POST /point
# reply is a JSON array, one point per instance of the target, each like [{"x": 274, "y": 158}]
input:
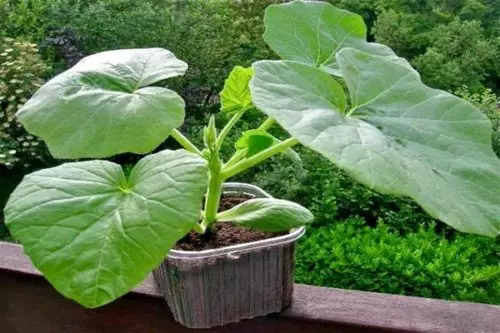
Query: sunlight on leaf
[
  {"x": 104, "y": 105},
  {"x": 401, "y": 137},
  {"x": 236, "y": 94},
  {"x": 95, "y": 234},
  {"x": 267, "y": 214}
]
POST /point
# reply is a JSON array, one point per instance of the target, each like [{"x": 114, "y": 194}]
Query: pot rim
[{"x": 235, "y": 250}]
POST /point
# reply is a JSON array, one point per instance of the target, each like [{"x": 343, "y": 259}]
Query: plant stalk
[
  {"x": 267, "y": 124},
  {"x": 185, "y": 143},
  {"x": 212, "y": 199},
  {"x": 257, "y": 158},
  {"x": 230, "y": 124},
  {"x": 237, "y": 156},
  {"x": 199, "y": 228}
]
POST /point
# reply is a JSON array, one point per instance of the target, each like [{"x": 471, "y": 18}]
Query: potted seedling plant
[{"x": 95, "y": 232}]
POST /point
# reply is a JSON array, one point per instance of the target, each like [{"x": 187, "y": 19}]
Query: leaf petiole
[
  {"x": 267, "y": 124},
  {"x": 200, "y": 228},
  {"x": 229, "y": 126},
  {"x": 257, "y": 158},
  {"x": 185, "y": 143}
]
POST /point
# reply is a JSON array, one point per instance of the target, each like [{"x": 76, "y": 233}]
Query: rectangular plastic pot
[{"x": 216, "y": 287}]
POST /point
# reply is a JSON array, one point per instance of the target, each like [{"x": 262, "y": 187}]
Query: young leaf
[
  {"x": 256, "y": 140},
  {"x": 272, "y": 215},
  {"x": 312, "y": 32},
  {"x": 95, "y": 234},
  {"x": 236, "y": 94},
  {"x": 102, "y": 105},
  {"x": 210, "y": 135},
  {"x": 400, "y": 136}
]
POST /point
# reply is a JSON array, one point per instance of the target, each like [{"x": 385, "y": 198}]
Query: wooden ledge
[{"x": 30, "y": 299}]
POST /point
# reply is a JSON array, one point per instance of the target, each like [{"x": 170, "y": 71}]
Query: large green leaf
[
  {"x": 236, "y": 95},
  {"x": 399, "y": 137},
  {"x": 95, "y": 234},
  {"x": 103, "y": 106},
  {"x": 272, "y": 215},
  {"x": 312, "y": 32}
]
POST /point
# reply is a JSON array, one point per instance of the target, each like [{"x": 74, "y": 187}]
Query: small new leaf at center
[{"x": 236, "y": 94}]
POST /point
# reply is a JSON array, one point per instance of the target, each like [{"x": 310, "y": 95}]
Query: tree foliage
[{"x": 451, "y": 43}]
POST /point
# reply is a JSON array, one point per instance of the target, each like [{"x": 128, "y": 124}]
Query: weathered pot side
[{"x": 215, "y": 287}]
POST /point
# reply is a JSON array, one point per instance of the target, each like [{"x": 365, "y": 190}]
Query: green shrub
[
  {"x": 33, "y": 20},
  {"x": 451, "y": 43},
  {"x": 211, "y": 36},
  {"x": 351, "y": 255},
  {"x": 23, "y": 18},
  {"x": 459, "y": 53},
  {"x": 21, "y": 74},
  {"x": 227, "y": 33}
]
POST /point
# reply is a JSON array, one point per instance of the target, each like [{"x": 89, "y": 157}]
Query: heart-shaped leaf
[
  {"x": 312, "y": 32},
  {"x": 236, "y": 94},
  {"x": 267, "y": 214},
  {"x": 95, "y": 234},
  {"x": 399, "y": 136},
  {"x": 103, "y": 106},
  {"x": 256, "y": 140}
]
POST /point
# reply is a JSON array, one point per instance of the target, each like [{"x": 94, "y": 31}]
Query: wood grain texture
[
  {"x": 399, "y": 313},
  {"x": 29, "y": 304}
]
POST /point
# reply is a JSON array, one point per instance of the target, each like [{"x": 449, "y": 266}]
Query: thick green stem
[
  {"x": 185, "y": 143},
  {"x": 199, "y": 228},
  {"x": 212, "y": 199},
  {"x": 257, "y": 158}
]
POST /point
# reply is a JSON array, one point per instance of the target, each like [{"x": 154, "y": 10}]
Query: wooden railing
[{"x": 29, "y": 304}]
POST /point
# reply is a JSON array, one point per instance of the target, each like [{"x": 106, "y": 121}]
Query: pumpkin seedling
[{"x": 96, "y": 233}]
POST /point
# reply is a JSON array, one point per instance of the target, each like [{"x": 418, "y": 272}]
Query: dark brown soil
[{"x": 224, "y": 233}]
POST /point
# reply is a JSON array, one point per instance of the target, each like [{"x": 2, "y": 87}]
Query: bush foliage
[
  {"x": 351, "y": 255},
  {"x": 227, "y": 33},
  {"x": 451, "y": 42},
  {"x": 21, "y": 74}
]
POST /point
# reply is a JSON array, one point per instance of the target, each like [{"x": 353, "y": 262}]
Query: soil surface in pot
[{"x": 224, "y": 233}]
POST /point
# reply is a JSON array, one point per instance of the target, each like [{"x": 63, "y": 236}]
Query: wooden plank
[
  {"x": 328, "y": 308},
  {"x": 395, "y": 312},
  {"x": 28, "y": 304}
]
